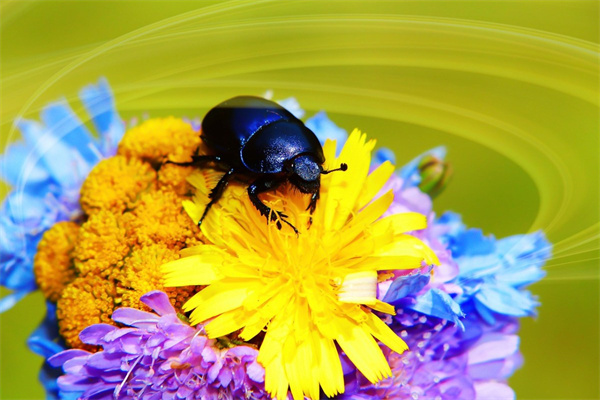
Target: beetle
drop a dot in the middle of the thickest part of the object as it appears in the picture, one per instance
(259, 139)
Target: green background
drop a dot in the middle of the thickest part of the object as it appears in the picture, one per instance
(510, 87)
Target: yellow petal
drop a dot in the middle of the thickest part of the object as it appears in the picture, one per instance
(407, 245)
(383, 307)
(276, 382)
(385, 262)
(189, 271)
(363, 351)
(368, 215)
(374, 183)
(345, 187)
(330, 367)
(300, 368)
(219, 298)
(387, 336)
(260, 317)
(224, 324)
(192, 209)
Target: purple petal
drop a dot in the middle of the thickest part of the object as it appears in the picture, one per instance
(132, 317)
(95, 334)
(493, 390)
(59, 359)
(494, 347)
(256, 372)
(159, 302)
(102, 362)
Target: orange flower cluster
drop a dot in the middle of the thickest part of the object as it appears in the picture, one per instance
(133, 223)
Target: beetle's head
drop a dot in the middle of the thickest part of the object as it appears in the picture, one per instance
(305, 173)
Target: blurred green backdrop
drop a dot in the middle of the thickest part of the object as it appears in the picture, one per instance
(510, 87)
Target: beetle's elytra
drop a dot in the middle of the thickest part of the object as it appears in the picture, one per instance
(260, 139)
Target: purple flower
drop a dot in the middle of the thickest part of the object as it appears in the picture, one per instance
(445, 361)
(158, 357)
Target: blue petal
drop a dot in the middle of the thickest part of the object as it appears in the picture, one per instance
(520, 275)
(478, 266)
(99, 103)
(65, 165)
(438, 304)
(533, 246)
(64, 125)
(11, 299)
(18, 167)
(325, 129)
(472, 242)
(48, 377)
(410, 172)
(452, 225)
(506, 300)
(292, 105)
(24, 209)
(485, 313)
(44, 340)
(404, 286)
(384, 154)
(524, 256)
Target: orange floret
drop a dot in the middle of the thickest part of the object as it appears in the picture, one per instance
(142, 274)
(159, 218)
(53, 263)
(87, 300)
(160, 139)
(115, 183)
(101, 245)
(174, 178)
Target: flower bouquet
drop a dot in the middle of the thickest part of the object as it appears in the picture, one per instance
(369, 294)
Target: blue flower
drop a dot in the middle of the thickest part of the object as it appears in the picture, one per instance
(46, 342)
(493, 273)
(46, 171)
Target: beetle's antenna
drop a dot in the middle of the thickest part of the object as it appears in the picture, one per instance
(343, 167)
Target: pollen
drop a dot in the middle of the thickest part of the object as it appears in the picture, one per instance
(115, 183)
(87, 300)
(142, 274)
(160, 139)
(101, 244)
(53, 263)
(159, 218)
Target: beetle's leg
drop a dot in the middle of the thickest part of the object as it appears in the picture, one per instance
(198, 161)
(216, 193)
(262, 185)
(312, 206)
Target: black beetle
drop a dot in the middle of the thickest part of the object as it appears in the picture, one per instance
(265, 142)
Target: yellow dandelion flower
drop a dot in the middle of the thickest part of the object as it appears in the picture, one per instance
(307, 291)
(160, 139)
(53, 263)
(115, 183)
(87, 300)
